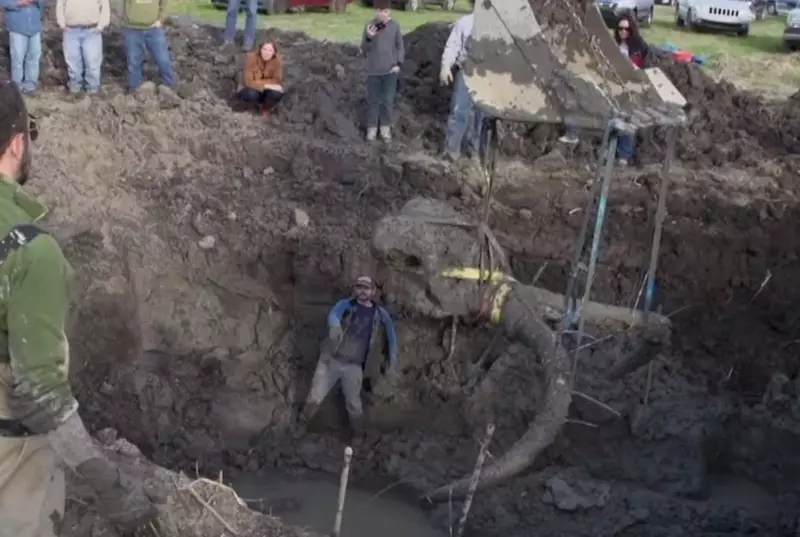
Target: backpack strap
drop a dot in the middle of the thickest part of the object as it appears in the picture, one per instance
(18, 237)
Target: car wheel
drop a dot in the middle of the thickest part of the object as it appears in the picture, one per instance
(679, 22)
(412, 5)
(449, 5)
(276, 7)
(690, 19)
(648, 21)
(744, 32)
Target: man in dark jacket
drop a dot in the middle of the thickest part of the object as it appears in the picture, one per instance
(382, 44)
(359, 332)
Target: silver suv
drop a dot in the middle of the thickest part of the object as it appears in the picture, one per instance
(641, 9)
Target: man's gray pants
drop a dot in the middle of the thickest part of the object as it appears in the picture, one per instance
(329, 371)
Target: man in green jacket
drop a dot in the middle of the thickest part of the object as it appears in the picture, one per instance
(143, 30)
(40, 429)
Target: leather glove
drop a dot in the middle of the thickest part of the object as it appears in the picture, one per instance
(123, 503)
(445, 76)
(335, 333)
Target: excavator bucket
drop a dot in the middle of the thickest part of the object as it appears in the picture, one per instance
(554, 61)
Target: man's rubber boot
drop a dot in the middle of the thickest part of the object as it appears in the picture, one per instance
(356, 428)
(372, 133)
(301, 425)
(386, 134)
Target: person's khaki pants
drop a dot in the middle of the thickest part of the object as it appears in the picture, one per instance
(32, 493)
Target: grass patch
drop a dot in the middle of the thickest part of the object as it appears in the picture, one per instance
(345, 27)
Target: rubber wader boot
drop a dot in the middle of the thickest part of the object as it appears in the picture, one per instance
(386, 134)
(372, 133)
(301, 425)
(356, 428)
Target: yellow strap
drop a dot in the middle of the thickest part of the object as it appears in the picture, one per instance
(498, 298)
(498, 301)
(473, 273)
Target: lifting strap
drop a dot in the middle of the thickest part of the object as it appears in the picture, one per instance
(18, 237)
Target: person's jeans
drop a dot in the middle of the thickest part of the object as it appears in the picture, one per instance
(330, 371)
(250, 95)
(83, 52)
(155, 41)
(462, 107)
(26, 55)
(625, 146)
(251, 21)
(381, 91)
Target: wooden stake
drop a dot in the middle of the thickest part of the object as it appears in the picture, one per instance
(337, 525)
(473, 482)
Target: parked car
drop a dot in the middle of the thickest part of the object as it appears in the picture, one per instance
(414, 5)
(721, 15)
(643, 10)
(274, 7)
(791, 34)
(784, 7)
(665, 2)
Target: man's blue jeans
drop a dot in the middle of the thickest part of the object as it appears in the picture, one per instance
(26, 54)
(625, 146)
(154, 40)
(381, 91)
(251, 21)
(461, 109)
(83, 52)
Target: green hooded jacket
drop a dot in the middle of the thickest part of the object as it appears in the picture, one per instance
(34, 299)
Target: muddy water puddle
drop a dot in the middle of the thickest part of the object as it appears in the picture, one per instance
(311, 503)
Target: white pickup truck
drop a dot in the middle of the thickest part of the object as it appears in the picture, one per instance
(723, 15)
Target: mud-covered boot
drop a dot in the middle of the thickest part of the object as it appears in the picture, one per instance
(356, 428)
(386, 134)
(303, 419)
(372, 133)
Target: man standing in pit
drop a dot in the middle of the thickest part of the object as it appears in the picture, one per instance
(461, 103)
(40, 429)
(361, 336)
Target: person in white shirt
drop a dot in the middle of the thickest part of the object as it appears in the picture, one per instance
(461, 105)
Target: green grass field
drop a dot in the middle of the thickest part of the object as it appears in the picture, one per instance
(755, 61)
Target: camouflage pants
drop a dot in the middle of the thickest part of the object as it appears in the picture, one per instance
(330, 371)
(32, 493)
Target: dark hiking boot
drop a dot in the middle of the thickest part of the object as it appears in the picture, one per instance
(303, 419)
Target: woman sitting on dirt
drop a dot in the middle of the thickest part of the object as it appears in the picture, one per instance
(263, 78)
(632, 45)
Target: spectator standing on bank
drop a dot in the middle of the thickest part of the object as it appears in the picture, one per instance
(23, 20)
(382, 44)
(250, 24)
(83, 22)
(144, 31)
(462, 107)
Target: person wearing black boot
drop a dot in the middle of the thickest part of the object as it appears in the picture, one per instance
(359, 330)
(263, 78)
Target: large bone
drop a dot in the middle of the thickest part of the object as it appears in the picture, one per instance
(417, 246)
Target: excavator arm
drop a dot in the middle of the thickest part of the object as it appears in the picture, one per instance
(554, 61)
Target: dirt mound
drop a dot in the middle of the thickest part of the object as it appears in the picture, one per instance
(208, 246)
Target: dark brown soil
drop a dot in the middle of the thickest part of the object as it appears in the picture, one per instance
(201, 293)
